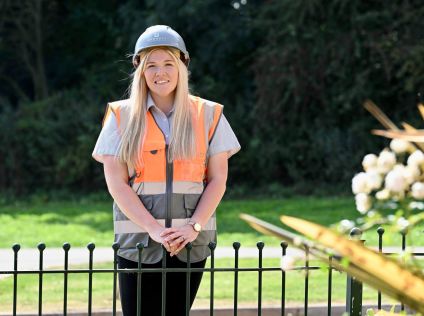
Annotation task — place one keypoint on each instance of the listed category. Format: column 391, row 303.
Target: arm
column 214, row 191
column 116, row 174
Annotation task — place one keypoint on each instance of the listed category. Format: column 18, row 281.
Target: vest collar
column 151, row 105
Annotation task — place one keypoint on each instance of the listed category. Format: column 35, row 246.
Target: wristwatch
column 196, row 226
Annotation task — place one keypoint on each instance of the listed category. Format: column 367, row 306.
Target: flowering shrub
column 391, row 188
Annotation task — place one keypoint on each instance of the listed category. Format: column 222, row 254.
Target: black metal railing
column 353, row 290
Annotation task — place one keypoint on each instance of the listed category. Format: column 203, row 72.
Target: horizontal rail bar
column 153, row 270
column 413, row 254
column 147, row 270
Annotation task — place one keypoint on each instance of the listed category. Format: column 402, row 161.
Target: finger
column 176, row 235
column 167, row 231
column 173, row 237
column 178, row 241
column 174, row 246
column 166, row 245
column 173, row 250
column 182, row 245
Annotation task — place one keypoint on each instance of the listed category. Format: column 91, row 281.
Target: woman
column 165, row 155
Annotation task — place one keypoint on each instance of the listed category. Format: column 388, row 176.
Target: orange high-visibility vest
column 170, row 191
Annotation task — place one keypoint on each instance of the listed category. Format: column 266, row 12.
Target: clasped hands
column 174, row 239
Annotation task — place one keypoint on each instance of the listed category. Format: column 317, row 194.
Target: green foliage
column 292, row 76
column 49, row 143
column 318, row 63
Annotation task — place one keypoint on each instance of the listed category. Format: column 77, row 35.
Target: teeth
column 162, row 81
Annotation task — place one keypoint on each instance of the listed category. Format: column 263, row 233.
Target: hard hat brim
column 183, row 55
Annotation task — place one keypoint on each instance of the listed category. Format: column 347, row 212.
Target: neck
column 164, row 103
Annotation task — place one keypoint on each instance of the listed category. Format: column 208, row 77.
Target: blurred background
column 292, row 75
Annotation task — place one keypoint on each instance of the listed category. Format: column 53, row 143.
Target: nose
column 160, row 71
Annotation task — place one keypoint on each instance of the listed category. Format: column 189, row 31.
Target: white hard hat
column 160, row 35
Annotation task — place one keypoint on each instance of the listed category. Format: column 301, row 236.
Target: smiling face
column 161, row 74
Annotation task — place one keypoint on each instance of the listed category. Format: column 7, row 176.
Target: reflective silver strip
column 187, row 187
column 149, row 188
column 182, row 187
column 128, row 227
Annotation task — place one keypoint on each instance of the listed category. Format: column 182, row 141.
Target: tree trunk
column 22, row 31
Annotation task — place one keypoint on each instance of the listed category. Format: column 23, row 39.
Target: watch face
column 197, row 227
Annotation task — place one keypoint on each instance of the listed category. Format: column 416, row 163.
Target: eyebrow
column 167, row 60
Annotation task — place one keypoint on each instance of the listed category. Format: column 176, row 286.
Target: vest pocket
column 153, row 159
column 190, row 170
column 190, row 203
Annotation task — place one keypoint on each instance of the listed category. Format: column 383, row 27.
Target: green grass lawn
column 224, row 288
column 90, row 220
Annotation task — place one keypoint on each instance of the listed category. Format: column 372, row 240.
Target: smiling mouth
column 161, row 81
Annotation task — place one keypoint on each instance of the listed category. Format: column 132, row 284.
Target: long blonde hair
column 182, row 144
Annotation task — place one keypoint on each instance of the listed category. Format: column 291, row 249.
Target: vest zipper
column 169, row 179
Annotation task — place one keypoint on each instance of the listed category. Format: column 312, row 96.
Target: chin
column 162, row 93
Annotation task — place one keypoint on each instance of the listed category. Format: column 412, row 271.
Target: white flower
column 371, row 214
column 399, row 167
column 383, row 194
column 391, row 218
column 416, row 158
column 411, row 173
column 417, row 190
column 385, row 161
column 392, row 205
column 416, row 205
column 402, row 223
column 360, row 183
column 369, row 162
column 363, row 202
column 400, row 146
column 396, row 182
column 374, row 179
column 346, row 225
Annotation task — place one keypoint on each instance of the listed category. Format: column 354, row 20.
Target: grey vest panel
column 183, row 206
